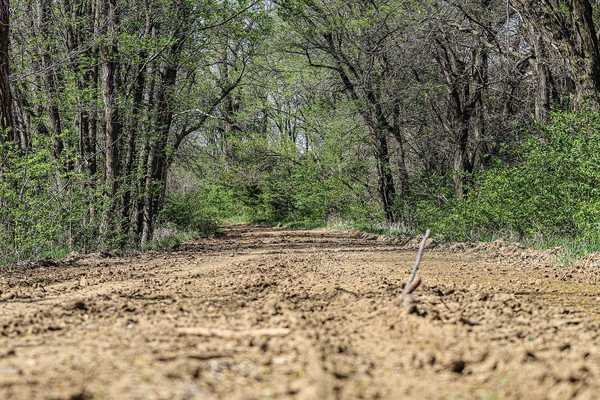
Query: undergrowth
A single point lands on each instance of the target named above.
(169, 242)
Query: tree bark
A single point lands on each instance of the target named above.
(157, 166)
(569, 25)
(112, 127)
(387, 189)
(6, 104)
(543, 96)
(157, 160)
(402, 163)
(586, 64)
(132, 134)
(149, 102)
(51, 80)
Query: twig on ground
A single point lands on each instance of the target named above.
(414, 281)
(195, 356)
(341, 289)
(233, 334)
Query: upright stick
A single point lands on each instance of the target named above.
(413, 283)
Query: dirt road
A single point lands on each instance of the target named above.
(272, 314)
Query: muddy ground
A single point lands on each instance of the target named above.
(262, 313)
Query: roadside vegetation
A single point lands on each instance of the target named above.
(150, 123)
(547, 196)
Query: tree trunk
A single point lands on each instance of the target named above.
(129, 178)
(157, 160)
(482, 147)
(92, 133)
(91, 77)
(157, 166)
(22, 122)
(136, 115)
(50, 79)
(6, 105)
(569, 25)
(460, 167)
(402, 165)
(387, 189)
(466, 79)
(86, 82)
(543, 96)
(112, 127)
(138, 214)
(586, 64)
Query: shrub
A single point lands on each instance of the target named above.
(304, 195)
(553, 191)
(44, 210)
(167, 243)
(191, 212)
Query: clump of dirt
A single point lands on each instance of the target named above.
(273, 313)
(590, 261)
(506, 252)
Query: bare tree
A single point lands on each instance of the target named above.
(569, 26)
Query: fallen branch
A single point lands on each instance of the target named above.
(195, 356)
(233, 334)
(341, 289)
(414, 281)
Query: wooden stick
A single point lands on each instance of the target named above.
(233, 334)
(413, 283)
(411, 287)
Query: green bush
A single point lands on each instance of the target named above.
(166, 243)
(199, 212)
(554, 191)
(303, 196)
(587, 220)
(44, 210)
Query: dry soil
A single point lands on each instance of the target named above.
(263, 313)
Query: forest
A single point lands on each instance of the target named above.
(135, 124)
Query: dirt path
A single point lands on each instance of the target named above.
(274, 314)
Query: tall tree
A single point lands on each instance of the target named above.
(570, 26)
(52, 77)
(354, 40)
(6, 102)
(112, 127)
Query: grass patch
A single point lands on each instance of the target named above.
(170, 237)
(304, 225)
(572, 249)
(237, 220)
(395, 230)
(168, 242)
(51, 254)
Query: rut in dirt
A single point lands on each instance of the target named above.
(271, 313)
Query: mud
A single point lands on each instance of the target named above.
(273, 314)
